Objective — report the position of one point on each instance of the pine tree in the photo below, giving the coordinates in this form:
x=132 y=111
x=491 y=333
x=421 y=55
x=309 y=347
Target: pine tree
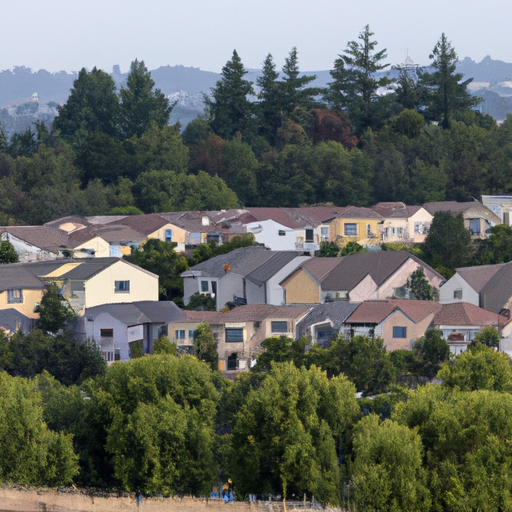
x=229 y=109
x=269 y=100
x=447 y=92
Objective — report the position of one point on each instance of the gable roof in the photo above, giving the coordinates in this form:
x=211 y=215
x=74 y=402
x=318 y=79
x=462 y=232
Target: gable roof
x=337 y=312
x=317 y=267
x=463 y=313
x=358 y=212
x=456 y=208
x=495 y=294
x=242 y=261
x=15 y=276
x=380 y=265
x=12 y=320
x=375 y=311
x=145 y=224
x=140 y=312
x=44 y=237
x=477 y=277
x=191 y=221
x=395 y=210
x=271 y=266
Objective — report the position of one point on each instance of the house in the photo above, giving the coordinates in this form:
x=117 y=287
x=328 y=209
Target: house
x=357 y=277
x=467 y=283
x=85 y=283
x=357 y=224
x=460 y=321
x=325 y=320
x=239 y=332
x=116 y=327
x=399 y=322
x=35 y=243
x=477 y=217
x=402 y=223
x=191 y=229
x=501 y=206
x=224 y=277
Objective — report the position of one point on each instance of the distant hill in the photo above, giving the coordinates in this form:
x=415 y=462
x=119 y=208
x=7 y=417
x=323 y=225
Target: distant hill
x=492 y=80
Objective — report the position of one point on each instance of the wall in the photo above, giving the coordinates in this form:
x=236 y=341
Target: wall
x=100 y=288
x=366 y=289
x=37 y=500
x=414 y=330
x=99 y=245
x=30 y=298
x=338 y=230
x=300 y=289
x=275 y=292
x=267 y=232
x=178 y=236
x=458 y=283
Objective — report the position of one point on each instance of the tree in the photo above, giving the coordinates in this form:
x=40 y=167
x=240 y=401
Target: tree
x=54 y=311
x=479 y=367
x=387 y=472
x=160 y=258
x=328 y=249
x=354 y=85
x=281 y=349
x=205 y=347
x=419 y=287
x=352 y=248
x=92 y=105
x=269 y=97
x=432 y=351
x=448 y=243
x=497 y=248
x=448 y=94
x=7 y=253
x=140 y=104
x=488 y=335
x=229 y=109
x=31 y=453
x=163 y=346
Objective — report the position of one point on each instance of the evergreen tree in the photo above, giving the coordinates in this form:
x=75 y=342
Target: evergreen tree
x=7 y=253
x=140 y=104
x=448 y=93
x=419 y=286
x=54 y=311
x=229 y=108
x=269 y=97
x=354 y=85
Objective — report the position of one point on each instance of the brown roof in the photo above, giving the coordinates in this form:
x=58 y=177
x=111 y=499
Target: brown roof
x=318 y=268
x=111 y=233
x=358 y=212
x=395 y=210
x=44 y=237
x=375 y=311
x=463 y=313
x=191 y=221
x=478 y=209
x=145 y=224
x=69 y=224
x=477 y=277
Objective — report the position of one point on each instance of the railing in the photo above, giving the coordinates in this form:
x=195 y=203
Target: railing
x=307 y=246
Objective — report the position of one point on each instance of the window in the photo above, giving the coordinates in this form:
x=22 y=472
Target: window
x=234 y=335
x=399 y=232
x=475 y=226
x=204 y=286
x=281 y=232
x=180 y=334
x=14 y=296
x=279 y=326
x=350 y=229
x=168 y=235
x=106 y=333
x=324 y=231
x=399 y=332
x=122 y=287
x=457 y=294
x=309 y=236
x=191 y=335
x=117 y=354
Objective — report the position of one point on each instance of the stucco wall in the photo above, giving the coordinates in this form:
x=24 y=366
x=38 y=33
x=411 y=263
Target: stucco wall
x=456 y=282
x=267 y=232
x=100 y=288
x=30 y=298
x=100 y=246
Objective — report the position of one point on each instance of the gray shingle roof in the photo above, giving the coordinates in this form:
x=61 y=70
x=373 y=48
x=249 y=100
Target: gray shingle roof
x=12 y=320
x=242 y=261
x=477 y=277
x=271 y=266
x=139 y=312
x=44 y=237
x=498 y=290
x=337 y=312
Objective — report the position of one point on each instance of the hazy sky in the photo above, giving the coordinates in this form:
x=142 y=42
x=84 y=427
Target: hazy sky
x=71 y=34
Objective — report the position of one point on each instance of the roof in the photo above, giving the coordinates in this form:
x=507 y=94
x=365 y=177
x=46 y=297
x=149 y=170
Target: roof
x=496 y=293
x=375 y=311
x=337 y=312
x=145 y=224
x=12 y=320
x=457 y=208
x=69 y=224
x=249 y=313
x=111 y=233
x=241 y=261
x=139 y=312
x=477 y=277
x=317 y=268
x=271 y=266
x=191 y=221
x=358 y=212
x=395 y=210
x=463 y=313
x=44 y=237
x=15 y=276
x=380 y=265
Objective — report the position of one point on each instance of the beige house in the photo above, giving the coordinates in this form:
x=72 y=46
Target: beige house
x=399 y=322
x=240 y=332
x=477 y=217
x=402 y=223
x=85 y=283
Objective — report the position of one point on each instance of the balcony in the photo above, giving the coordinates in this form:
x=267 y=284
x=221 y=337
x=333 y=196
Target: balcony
x=307 y=246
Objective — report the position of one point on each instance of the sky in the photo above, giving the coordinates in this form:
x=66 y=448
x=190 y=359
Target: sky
x=66 y=35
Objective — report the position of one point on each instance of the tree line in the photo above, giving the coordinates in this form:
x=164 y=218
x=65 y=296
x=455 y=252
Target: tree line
x=169 y=424
x=279 y=142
